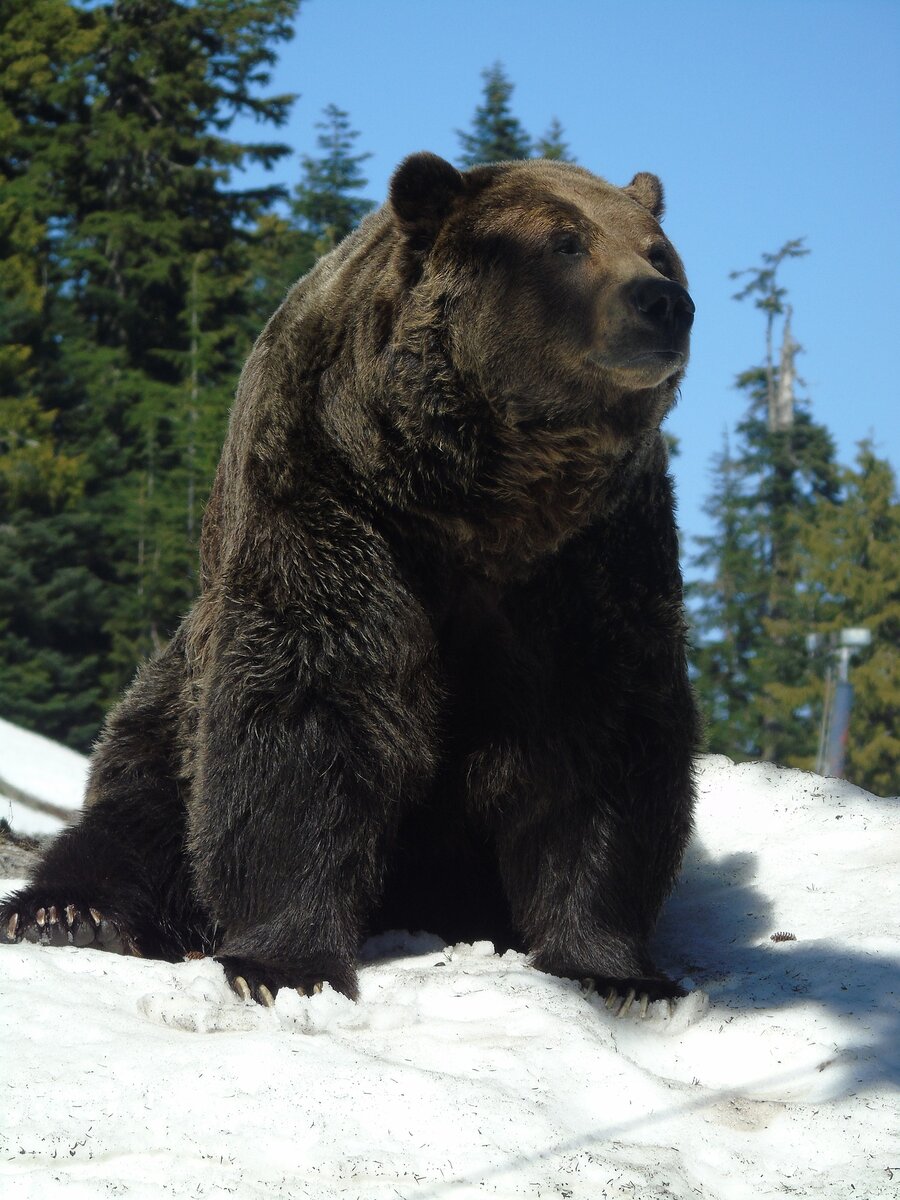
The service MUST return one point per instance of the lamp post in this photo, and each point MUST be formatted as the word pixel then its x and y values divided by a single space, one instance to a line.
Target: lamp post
pixel 835 725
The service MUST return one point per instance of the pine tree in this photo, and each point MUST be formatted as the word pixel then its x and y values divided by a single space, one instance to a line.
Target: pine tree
pixel 758 689
pixel 325 203
pixel 552 145
pixel 49 598
pixel 497 136
pixel 724 605
pixel 849 575
pixel 114 143
pixel 148 203
pixel 279 253
pixel 39 42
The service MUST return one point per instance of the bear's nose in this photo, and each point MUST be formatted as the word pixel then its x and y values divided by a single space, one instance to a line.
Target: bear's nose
pixel 664 302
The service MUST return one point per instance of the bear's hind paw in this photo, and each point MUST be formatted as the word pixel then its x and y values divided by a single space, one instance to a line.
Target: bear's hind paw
pixel 39 920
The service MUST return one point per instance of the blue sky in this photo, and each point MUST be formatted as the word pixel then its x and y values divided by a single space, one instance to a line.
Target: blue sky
pixel 766 120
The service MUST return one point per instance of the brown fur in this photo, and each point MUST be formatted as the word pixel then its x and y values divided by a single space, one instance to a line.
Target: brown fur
pixel 436 674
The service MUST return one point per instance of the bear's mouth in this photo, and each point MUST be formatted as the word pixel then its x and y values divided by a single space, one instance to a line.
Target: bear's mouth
pixel 651 357
pixel 658 364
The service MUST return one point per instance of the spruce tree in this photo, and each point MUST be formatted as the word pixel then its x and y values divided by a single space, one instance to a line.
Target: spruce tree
pixel 279 253
pixel 50 609
pixel 725 602
pixel 114 137
pixel 149 208
pixel 552 145
pixel 497 136
pixel 783 467
pixel 325 203
pixel 849 576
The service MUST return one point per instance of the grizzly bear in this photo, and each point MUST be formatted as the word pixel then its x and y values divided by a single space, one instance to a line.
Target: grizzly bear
pixel 435 677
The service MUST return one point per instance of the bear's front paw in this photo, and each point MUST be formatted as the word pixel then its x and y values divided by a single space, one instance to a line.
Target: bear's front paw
pixel 37 916
pixel 259 980
pixel 622 994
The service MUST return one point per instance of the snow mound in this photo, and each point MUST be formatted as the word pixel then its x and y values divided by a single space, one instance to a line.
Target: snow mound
pixel 463 1073
pixel 43 769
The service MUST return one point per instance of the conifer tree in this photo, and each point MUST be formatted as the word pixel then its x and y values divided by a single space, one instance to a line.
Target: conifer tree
pixel 753 673
pixel 325 201
pixel 552 145
pixel 726 600
pixel 50 613
pixel 114 121
pixel 849 576
pixel 279 253
pixel 147 204
pixel 497 136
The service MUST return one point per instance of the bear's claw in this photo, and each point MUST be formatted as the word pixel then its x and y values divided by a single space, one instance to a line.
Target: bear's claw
pixel 620 997
pixel 263 995
pixel 627 1002
pixel 260 981
pixel 69 925
pixel 239 983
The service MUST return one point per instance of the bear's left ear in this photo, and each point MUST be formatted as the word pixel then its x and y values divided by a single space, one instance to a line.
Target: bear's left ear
pixel 422 193
pixel 647 189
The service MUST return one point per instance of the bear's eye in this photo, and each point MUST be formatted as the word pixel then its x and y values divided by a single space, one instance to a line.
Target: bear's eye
pixel 570 244
pixel 658 258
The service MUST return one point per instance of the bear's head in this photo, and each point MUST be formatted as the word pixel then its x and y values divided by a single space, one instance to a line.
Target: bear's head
pixel 563 301
pixel 489 356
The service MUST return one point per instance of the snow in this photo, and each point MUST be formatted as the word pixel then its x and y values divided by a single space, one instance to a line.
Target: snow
pixel 41 768
pixel 463 1074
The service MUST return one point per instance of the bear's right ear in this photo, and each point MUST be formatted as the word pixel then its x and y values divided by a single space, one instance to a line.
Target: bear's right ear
pixel 422 193
pixel 647 189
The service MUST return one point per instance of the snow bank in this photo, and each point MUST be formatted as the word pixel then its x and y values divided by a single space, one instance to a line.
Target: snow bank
pixel 461 1073
pixel 41 768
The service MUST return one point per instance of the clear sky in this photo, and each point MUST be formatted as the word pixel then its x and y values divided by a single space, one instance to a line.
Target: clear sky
pixel 766 119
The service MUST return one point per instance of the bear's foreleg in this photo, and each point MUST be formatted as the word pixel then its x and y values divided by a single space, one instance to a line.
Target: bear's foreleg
pixel 587 878
pixel 595 777
pixel 297 796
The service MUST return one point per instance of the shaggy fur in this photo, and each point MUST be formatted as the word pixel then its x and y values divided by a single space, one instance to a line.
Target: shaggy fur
pixel 436 674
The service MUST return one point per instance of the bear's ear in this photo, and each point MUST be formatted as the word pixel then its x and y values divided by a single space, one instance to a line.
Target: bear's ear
pixel 422 193
pixel 647 189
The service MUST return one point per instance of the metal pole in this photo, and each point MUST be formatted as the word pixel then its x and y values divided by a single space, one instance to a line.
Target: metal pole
pixel 836 750
pixel 825 724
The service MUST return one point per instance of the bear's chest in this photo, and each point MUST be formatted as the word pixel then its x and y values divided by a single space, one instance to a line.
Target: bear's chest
pixel 492 670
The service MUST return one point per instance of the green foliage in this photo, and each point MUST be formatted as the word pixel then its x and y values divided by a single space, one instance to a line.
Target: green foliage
pixel 497 136
pixel 725 603
pixel 849 575
pixel 134 276
pixel 552 145
pixel 130 291
pixel 752 672
pixel 798 546
pixel 768 295
pixel 54 601
pixel 33 471
pixel 325 203
pixel 280 253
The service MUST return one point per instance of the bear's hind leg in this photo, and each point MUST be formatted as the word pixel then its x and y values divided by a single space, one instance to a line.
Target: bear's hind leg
pixel 118 878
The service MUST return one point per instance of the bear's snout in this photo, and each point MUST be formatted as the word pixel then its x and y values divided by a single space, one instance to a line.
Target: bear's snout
pixel 664 303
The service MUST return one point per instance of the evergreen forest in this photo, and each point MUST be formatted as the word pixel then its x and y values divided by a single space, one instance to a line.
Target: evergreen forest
pixel 135 273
